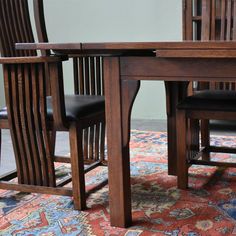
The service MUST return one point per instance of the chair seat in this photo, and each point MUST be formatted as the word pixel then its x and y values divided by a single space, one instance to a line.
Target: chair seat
pixel 210 100
pixel 80 106
pixel 77 106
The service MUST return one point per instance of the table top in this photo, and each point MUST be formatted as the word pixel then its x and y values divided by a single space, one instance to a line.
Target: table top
pixel 189 49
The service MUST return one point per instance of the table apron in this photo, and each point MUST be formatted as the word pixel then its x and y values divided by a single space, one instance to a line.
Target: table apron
pixel 152 68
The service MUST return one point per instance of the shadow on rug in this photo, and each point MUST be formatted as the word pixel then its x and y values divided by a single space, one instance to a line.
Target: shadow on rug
pixel 158 207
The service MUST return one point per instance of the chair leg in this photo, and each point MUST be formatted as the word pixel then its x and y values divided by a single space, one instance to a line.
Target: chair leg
pixel 182 165
pixel 53 140
pixel 205 138
pixel 77 167
pixel 193 138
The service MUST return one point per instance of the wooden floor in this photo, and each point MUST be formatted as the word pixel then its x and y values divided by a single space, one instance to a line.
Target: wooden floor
pixel 62 145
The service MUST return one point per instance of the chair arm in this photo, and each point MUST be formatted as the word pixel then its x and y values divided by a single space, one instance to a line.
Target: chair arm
pixel 32 59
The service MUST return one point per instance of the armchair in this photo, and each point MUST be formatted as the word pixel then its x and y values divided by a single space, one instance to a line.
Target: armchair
pixel 37 108
pixel 205 20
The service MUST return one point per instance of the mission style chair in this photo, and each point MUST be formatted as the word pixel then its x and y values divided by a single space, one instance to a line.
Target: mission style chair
pixel 88 80
pixel 33 117
pixel 205 20
pixel 195 29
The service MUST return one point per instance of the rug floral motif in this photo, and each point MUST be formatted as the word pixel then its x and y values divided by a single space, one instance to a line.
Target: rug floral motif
pixel 158 207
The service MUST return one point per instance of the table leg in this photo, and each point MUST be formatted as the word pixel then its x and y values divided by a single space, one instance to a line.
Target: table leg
pixel 175 91
pixel 119 97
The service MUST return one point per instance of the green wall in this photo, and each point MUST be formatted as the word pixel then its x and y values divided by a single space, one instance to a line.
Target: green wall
pixel 123 20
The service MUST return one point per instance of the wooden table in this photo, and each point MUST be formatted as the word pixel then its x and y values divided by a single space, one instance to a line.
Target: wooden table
pixel 125 65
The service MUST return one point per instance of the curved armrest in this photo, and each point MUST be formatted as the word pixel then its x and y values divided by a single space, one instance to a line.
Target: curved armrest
pixel 32 59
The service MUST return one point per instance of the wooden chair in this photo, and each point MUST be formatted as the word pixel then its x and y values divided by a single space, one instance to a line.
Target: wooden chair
pixel 32 116
pixel 211 20
pixel 88 80
pixel 197 26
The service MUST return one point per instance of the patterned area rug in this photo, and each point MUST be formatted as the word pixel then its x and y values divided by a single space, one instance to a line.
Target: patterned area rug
pixel 159 208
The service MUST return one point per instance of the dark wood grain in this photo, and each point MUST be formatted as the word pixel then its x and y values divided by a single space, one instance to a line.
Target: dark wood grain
pixel 121 46
pixel 197 53
pixel 119 172
pixel 127 67
pixel 45 46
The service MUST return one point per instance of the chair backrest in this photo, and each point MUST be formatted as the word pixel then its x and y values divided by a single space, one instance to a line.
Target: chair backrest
pixel 210 20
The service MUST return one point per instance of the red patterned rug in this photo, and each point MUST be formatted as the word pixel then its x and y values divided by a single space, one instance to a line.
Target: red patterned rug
pixel 158 207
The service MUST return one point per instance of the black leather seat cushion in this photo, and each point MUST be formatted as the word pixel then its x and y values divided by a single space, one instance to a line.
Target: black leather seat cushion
pixel 80 106
pixel 210 100
pixel 3 113
pixel 77 106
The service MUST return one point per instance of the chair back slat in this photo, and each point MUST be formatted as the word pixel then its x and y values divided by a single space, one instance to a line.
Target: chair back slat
pixel 210 20
pixel 234 20
pixel 228 20
pixel 222 20
pixel 81 74
pixel 40 23
pixel 31 137
pixel 13 118
pixel 213 20
pixel 99 75
pixel 25 89
pixel 187 19
pixel 88 77
pixel 206 20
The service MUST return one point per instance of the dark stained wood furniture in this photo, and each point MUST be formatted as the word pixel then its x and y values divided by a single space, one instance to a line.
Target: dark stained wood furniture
pixel 33 117
pixel 177 63
pixel 206 20
pixel 124 66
